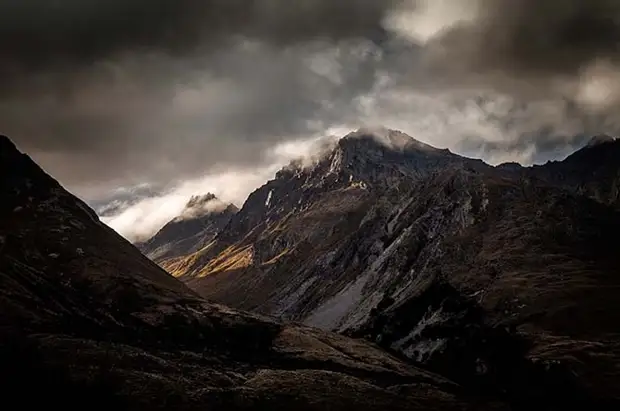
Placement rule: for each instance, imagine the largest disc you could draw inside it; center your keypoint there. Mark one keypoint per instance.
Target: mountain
(592, 171)
(199, 223)
(503, 279)
(88, 322)
(315, 198)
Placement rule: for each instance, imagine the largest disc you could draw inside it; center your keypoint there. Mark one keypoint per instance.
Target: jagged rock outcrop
(201, 221)
(88, 322)
(502, 278)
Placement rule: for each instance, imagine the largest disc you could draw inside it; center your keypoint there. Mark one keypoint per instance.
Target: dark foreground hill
(87, 322)
(504, 279)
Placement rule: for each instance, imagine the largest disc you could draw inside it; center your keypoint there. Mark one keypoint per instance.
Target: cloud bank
(187, 96)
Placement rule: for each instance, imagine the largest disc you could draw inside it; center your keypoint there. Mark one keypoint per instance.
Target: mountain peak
(201, 205)
(6, 143)
(200, 222)
(600, 149)
(356, 153)
(25, 180)
(389, 138)
(9, 151)
(365, 158)
(377, 155)
(600, 139)
(197, 201)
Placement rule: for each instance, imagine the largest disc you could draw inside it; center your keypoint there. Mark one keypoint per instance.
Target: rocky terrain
(503, 279)
(88, 322)
(201, 221)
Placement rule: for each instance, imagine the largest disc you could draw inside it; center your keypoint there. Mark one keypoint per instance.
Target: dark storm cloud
(153, 118)
(108, 93)
(530, 40)
(563, 54)
(34, 33)
(548, 37)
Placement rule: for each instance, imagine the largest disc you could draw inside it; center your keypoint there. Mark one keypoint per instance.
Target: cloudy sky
(135, 105)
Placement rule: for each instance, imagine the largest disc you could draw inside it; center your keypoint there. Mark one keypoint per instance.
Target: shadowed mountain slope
(90, 323)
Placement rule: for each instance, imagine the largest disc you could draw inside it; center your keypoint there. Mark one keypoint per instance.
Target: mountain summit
(600, 139)
(198, 224)
(592, 171)
(202, 205)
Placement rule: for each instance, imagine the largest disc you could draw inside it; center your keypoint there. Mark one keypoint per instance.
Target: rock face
(90, 323)
(200, 222)
(503, 279)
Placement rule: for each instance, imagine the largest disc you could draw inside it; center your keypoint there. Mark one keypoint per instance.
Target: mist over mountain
(198, 224)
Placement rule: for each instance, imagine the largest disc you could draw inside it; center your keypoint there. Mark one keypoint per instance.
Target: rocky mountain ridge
(359, 164)
(498, 277)
(91, 323)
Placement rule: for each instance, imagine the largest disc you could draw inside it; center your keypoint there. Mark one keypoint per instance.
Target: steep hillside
(501, 278)
(201, 221)
(87, 322)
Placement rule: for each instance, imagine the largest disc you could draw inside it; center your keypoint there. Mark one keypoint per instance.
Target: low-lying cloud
(138, 220)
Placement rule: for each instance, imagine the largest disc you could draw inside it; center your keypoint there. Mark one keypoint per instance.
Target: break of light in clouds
(139, 220)
(172, 98)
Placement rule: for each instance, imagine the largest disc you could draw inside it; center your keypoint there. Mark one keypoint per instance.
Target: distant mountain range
(503, 279)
